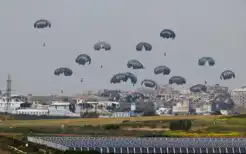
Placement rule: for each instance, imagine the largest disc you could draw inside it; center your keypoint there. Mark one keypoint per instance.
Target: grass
(201, 134)
(95, 121)
(202, 126)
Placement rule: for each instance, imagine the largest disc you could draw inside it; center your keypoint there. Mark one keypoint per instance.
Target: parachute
(179, 80)
(149, 83)
(82, 59)
(167, 33)
(222, 102)
(42, 23)
(63, 70)
(202, 61)
(102, 45)
(135, 64)
(198, 88)
(118, 78)
(132, 77)
(227, 74)
(146, 46)
(162, 70)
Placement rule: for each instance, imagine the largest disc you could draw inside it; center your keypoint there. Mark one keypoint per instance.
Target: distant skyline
(203, 28)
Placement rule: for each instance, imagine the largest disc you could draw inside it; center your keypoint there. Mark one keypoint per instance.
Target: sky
(203, 28)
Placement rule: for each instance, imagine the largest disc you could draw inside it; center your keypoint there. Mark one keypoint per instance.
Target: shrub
(111, 126)
(180, 125)
(149, 113)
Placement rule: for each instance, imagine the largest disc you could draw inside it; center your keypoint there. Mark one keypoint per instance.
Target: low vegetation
(97, 121)
(184, 125)
(135, 126)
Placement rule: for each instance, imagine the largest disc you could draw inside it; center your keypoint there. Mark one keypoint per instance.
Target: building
(217, 89)
(167, 93)
(182, 107)
(204, 108)
(121, 114)
(238, 95)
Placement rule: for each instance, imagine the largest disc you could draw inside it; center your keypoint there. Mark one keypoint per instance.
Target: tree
(184, 125)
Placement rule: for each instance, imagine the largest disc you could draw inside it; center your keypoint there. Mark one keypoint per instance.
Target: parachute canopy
(202, 61)
(144, 45)
(123, 77)
(63, 70)
(119, 77)
(102, 45)
(222, 102)
(227, 74)
(82, 59)
(168, 34)
(135, 64)
(179, 80)
(162, 70)
(42, 23)
(132, 77)
(149, 83)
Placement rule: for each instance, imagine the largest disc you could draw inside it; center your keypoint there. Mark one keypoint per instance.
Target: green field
(202, 126)
(95, 121)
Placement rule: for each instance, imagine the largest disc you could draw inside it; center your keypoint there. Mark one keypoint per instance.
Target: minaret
(8, 91)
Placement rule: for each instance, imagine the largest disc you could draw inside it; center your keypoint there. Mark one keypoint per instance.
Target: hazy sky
(214, 28)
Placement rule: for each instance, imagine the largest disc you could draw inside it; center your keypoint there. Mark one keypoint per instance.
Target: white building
(9, 106)
(205, 108)
(217, 89)
(121, 114)
(55, 109)
(32, 111)
(182, 107)
(167, 93)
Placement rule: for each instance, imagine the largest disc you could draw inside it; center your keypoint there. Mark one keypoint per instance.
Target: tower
(8, 92)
